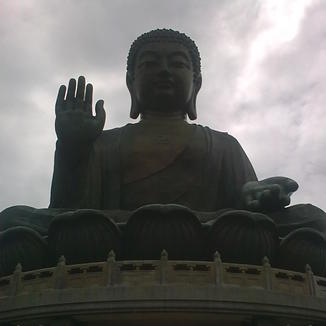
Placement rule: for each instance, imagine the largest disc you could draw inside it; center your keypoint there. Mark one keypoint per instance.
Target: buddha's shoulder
(114, 133)
(220, 137)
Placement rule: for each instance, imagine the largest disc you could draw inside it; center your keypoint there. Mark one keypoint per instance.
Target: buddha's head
(163, 74)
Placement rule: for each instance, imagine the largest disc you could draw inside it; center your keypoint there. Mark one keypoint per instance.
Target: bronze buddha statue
(161, 183)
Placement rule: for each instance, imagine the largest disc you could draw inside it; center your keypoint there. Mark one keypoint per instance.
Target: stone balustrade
(163, 271)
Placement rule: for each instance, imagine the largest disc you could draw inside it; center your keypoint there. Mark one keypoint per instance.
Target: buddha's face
(163, 77)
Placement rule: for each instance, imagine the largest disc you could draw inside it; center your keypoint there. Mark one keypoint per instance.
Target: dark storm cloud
(278, 117)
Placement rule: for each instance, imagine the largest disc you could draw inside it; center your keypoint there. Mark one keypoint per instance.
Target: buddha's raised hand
(75, 123)
(269, 194)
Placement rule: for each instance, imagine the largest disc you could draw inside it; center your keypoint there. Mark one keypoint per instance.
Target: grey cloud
(283, 126)
(44, 43)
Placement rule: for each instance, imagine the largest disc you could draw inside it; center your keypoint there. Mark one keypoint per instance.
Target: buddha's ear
(197, 83)
(191, 109)
(134, 111)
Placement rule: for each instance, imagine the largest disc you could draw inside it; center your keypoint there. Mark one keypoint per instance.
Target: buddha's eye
(179, 64)
(148, 64)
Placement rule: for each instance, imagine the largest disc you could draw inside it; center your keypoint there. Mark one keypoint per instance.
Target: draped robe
(153, 162)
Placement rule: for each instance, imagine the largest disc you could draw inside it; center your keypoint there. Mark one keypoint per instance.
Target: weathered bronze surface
(160, 160)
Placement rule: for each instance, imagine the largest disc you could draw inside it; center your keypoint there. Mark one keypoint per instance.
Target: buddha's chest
(148, 151)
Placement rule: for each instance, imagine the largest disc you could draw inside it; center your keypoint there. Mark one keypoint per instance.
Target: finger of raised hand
(71, 89)
(89, 98)
(60, 99)
(100, 112)
(80, 90)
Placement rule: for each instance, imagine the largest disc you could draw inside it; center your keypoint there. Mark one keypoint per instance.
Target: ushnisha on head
(163, 74)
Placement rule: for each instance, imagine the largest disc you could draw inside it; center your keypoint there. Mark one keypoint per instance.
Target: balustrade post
(218, 268)
(267, 274)
(164, 267)
(311, 281)
(110, 263)
(16, 280)
(60, 274)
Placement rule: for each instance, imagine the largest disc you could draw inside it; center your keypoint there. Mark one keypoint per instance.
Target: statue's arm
(77, 131)
(236, 170)
(243, 189)
(70, 175)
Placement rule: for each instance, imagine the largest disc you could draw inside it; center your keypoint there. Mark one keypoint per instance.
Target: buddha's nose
(165, 68)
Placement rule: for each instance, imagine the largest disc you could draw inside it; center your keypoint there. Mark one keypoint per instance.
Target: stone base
(162, 292)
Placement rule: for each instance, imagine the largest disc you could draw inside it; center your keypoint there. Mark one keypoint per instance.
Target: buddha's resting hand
(75, 123)
(269, 194)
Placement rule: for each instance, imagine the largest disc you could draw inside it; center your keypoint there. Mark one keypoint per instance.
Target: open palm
(75, 122)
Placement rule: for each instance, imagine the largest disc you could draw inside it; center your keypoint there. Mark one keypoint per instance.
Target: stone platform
(162, 292)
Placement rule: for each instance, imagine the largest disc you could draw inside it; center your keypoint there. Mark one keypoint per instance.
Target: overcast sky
(263, 66)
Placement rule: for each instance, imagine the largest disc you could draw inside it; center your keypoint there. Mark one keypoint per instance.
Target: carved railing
(163, 271)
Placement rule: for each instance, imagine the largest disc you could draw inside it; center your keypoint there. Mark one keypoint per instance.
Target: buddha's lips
(164, 84)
